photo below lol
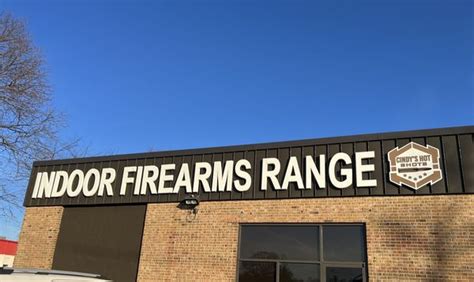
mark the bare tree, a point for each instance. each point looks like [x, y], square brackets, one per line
[28, 124]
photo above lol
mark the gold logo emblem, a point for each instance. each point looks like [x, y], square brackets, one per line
[414, 165]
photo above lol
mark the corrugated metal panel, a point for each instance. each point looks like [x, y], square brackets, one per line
[378, 174]
[466, 148]
[440, 186]
[456, 161]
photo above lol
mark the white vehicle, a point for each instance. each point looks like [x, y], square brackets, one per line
[8, 274]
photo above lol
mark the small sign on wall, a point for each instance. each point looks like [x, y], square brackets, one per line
[414, 165]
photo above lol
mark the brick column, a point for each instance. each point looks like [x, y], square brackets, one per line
[38, 237]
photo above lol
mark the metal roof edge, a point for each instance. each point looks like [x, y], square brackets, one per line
[235, 148]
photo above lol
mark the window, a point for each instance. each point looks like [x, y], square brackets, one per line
[302, 253]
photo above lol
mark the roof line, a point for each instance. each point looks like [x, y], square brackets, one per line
[270, 145]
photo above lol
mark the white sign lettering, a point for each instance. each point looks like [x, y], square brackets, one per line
[307, 172]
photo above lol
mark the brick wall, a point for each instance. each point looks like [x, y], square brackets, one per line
[38, 237]
[408, 238]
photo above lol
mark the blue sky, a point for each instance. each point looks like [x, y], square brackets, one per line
[159, 75]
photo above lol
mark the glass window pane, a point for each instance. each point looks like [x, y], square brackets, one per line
[344, 274]
[251, 271]
[299, 272]
[280, 242]
[343, 243]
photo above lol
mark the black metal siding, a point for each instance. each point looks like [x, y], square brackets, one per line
[456, 158]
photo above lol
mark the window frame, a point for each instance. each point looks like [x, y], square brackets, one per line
[321, 262]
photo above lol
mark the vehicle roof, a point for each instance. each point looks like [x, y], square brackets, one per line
[50, 275]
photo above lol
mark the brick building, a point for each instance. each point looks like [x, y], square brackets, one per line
[379, 207]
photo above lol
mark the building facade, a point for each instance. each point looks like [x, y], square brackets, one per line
[392, 206]
[7, 252]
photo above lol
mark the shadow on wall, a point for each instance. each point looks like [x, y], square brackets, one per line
[453, 245]
[432, 242]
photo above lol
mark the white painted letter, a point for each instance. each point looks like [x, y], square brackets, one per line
[312, 171]
[46, 185]
[37, 184]
[60, 175]
[162, 189]
[106, 179]
[222, 181]
[126, 179]
[293, 174]
[80, 180]
[149, 180]
[202, 177]
[242, 174]
[95, 186]
[183, 179]
[138, 181]
[347, 172]
[270, 174]
[361, 168]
